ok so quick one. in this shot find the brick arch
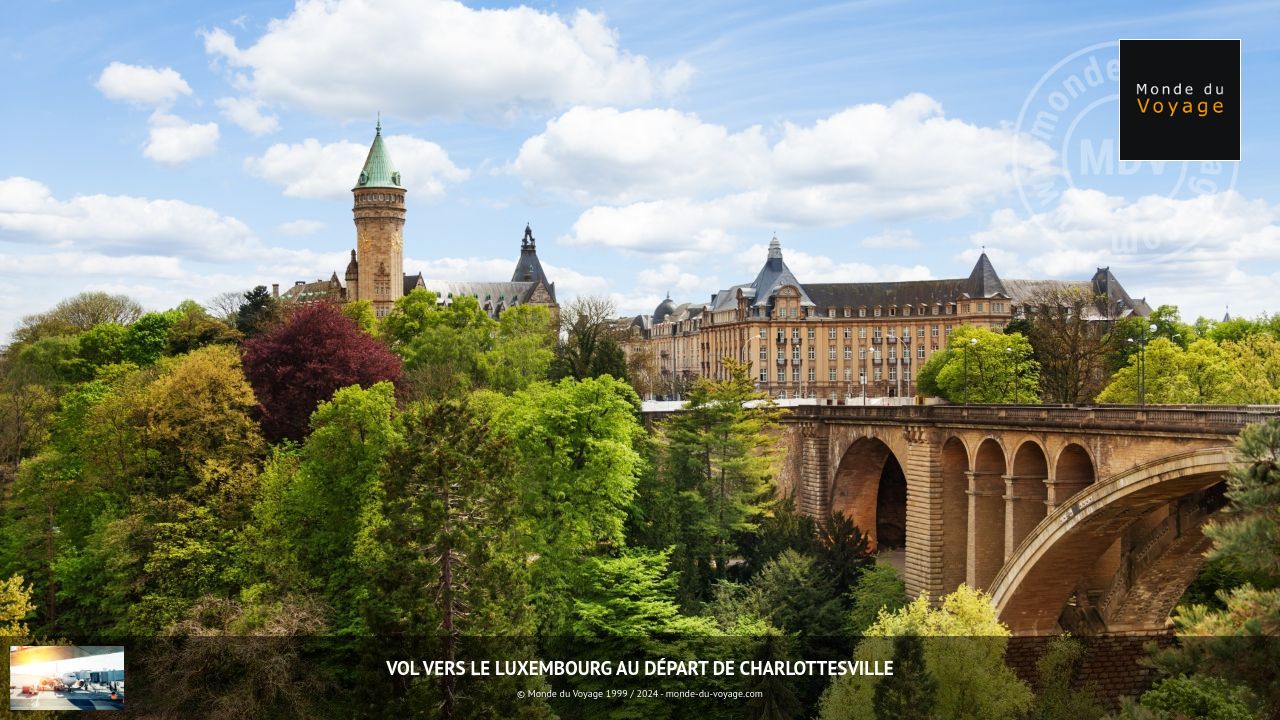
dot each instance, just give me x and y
(869, 487)
(986, 512)
(1026, 493)
(1074, 469)
(1032, 588)
(955, 512)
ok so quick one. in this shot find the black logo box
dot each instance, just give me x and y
(1160, 77)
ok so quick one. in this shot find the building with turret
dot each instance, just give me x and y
(837, 340)
(376, 270)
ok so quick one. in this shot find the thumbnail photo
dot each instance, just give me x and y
(66, 677)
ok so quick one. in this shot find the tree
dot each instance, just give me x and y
(225, 306)
(522, 349)
(15, 606)
(361, 311)
(844, 551)
(300, 363)
(1197, 696)
(590, 348)
(630, 595)
(257, 312)
(910, 691)
(1055, 698)
(574, 478)
(994, 368)
(147, 338)
(193, 328)
(794, 594)
(442, 345)
(1070, 341)
(1171, 374)
(1255, 368)
(78, 313)
(964, 646)
(720, 459)
(878, 589)
(1237, 643)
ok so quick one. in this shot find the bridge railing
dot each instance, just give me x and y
(1210, 418)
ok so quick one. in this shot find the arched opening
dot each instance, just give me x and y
(1072, 472)
(1026, 495)
(986, 514)
(871, 489)
(955, 513)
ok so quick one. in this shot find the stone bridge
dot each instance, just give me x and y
(1079, 518)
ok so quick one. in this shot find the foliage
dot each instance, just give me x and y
(76, 314)
(1055, 698)
(361, 311)
(720, 459)
(793, 593)
(1071, 343)
(844, 552)
(878, 589)
(964, 647)
(590, 348)
(300, 363)
(1198, 697)
(781, 527)
(192, 328)
(631, 595)
(1245, 371)
(522, 349)
(15, 606)
(147, 338)
(257, 312)
(994, 368)
(910, 691)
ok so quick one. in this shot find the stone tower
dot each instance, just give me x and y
(378, 265)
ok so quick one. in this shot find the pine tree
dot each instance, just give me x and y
(910, 691)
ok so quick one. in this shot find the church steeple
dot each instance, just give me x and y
(378, 170)
(528, 268)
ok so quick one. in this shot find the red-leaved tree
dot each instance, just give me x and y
(301, 362)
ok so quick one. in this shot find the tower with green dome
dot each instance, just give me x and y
(376, 271)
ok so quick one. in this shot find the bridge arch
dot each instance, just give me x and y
(955, 512)
(1033, 587)
(870, 488)
(1027, 493)
(1073, 470)
(986, 512)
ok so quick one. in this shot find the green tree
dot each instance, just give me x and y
(148, 338)
(844, 551)
(1166, 377)
(102, 345)
(1071, 339)
(964, 646)
(1196, 698)
(1255, 367)
(193, 327)
(794, 594)
(361, 311)
(442, 345)
(15, 607)
(78, 313)
(1055, 698)
(257, 312)
(590, 347)
(631, 595)
(982, 366)
(910, 691)
(522, 349)
(720, 458)
(878, 588)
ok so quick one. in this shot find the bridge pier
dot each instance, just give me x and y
(926, 524)
(1024, 508)
(986, 526)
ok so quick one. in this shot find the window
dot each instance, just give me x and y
(812, 375)
(979, 307)
(848, 333)
(934, 348)
(795, 334)
(831, 375)
(862, 376)
(948, 332)
(906, 310)
(795, 375)
(848, 372)
(764, 353)
(831, 353)
(877, 312)
(879, 375)
(920, 331)
(966, 308)
(875, 334)
(795, 353)
(862, 353)
(997, 307)
(831, 333)
(920, 351)
(813, 352)
(764, 375)
(764, 334)
(906, 375)
(862, 312)
(831, 312)
(933, 331)
(893, 374)
(893, 354)
(862, 333)
(811, 331)
(782, 376)
(893, 310)
(846, 312)
(848, 353)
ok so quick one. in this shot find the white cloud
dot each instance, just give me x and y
(892, 240)
(248, 114)
(665, 179)
(118, 224)
(347, 58)
(1179, 251)
(674, 279)
(810, 268)
(619, 157)
(96, 264)
(313, 170)
(300, 227)
(174, 141)
(142, 85)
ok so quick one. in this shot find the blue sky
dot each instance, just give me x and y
(170, 150)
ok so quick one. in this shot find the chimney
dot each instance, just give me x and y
(275, 289)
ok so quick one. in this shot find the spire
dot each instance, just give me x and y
(353, 267)
(528, 268)
(983, 281)
(378, 170)
(1226, 317)
(775, 248)
(527, 241)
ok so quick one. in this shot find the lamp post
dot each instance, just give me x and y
(1142, 362)
(972, 342)
(1013, 374)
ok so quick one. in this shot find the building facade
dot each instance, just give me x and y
(835, 340)
(376, 270)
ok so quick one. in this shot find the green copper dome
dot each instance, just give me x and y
(378, 171)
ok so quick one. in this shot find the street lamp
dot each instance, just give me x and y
(1013, 375)
(1142, 362)
(972, 342)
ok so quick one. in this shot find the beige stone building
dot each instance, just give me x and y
(376, 271)
(834, 340)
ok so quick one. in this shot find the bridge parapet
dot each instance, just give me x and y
(1205, 418)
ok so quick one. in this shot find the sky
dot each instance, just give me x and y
(171, 150)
